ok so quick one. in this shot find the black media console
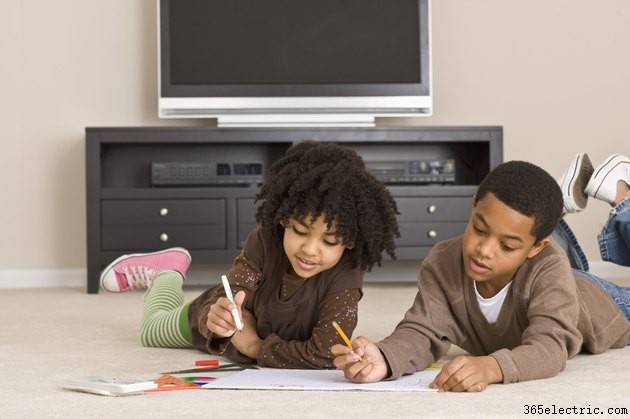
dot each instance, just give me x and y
(158, 187)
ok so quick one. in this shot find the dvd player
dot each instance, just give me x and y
(413, 171)
(206, 173)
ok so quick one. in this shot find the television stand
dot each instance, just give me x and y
(153, 188)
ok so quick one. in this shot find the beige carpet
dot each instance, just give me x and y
(49, 335)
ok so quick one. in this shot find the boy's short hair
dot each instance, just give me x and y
(528, 189)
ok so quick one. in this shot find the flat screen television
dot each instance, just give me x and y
(294, 62)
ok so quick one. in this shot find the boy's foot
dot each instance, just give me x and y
(135, 271)
(603, 183)
(574, 181)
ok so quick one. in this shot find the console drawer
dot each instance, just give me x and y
(422, 221)
(433, 208)
(428, 234)
(163, 211)
(151, 237)
(246, 216)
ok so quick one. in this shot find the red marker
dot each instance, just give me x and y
(207, 363)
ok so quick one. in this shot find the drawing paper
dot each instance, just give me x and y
(321, 380)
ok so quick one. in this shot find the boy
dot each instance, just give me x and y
(503, 291)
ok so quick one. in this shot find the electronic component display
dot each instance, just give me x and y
(413, 171)
(210, 173)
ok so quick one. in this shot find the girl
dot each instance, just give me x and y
(324, 221)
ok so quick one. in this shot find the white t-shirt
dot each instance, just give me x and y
(491, 307)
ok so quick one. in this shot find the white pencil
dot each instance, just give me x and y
(228, 292)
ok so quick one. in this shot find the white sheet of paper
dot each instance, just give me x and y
(322, 380)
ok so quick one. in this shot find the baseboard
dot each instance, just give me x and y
(42, 278)
(54, 278)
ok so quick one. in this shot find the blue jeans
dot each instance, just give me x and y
(614, 240)
(614, 246)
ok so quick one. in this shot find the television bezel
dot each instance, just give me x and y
(295, 104)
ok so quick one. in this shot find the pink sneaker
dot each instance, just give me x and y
(603, 183)
(130, 272)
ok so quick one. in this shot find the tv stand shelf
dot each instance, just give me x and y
(128, 212)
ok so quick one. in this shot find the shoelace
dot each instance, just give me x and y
(139, 276)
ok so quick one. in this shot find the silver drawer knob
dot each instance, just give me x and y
(431, 209)
(164, 237)
(432, 234)
(163, 212)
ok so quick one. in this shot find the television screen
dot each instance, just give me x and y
(266, 60)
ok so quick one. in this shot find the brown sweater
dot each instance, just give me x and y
(549, 315)
(293, 316)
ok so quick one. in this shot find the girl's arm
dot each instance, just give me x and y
(243, 276)
(315, 351)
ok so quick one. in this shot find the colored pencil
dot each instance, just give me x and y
(342, 334)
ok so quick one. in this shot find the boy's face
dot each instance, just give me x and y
(496, 242)
(311, 247)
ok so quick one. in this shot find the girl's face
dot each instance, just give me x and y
(311, 247)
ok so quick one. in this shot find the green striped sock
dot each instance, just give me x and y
(165, 318)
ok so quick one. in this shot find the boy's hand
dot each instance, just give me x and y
(363, 364)
(468, 373)
(220, 320)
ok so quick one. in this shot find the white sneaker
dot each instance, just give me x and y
(573, 183)
(603, 183)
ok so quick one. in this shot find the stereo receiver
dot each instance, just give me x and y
(206, 173)
(413, 171)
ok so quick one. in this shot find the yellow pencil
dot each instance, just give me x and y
(343, 335)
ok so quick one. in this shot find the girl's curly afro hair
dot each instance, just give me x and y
(315, 178)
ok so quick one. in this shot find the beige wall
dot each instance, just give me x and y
(554, 73)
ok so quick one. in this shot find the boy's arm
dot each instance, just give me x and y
(425, 333)
(551, 336)
(411, 347)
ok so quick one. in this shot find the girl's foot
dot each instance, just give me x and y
(136, 271)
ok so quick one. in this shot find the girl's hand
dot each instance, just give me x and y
(220, 320)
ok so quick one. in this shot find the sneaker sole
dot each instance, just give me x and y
(123, 257)
(581, 172)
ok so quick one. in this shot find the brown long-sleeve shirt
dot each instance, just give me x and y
(549, 315)
(293, 316)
